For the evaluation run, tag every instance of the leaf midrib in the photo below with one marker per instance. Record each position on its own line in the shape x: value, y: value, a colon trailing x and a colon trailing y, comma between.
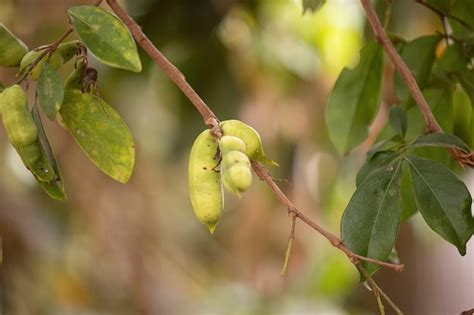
x: 103, y: 39
x: 439, y: 202
x: 381, y: 205
x: 366, y: 76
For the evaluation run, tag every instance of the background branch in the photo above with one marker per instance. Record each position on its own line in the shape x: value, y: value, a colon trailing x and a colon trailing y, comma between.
x: 432, y: 124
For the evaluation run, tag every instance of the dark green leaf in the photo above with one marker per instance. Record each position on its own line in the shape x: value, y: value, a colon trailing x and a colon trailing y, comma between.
x: 443, y: 200
x: 106, y: 37
x: 50, y: 91
x: 440, y: 139
x: 419, y: 55
x: 377, y: 161
x: 54, y: 189
x: 312, y: 5
x: 100, y: 132
x: 408, y: 194
x: 398, y: 119
x: 371, y: 220
x: 354, y: 99
x: 12, y: 49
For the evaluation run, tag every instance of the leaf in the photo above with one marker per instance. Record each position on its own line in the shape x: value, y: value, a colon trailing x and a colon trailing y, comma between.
x: 354, y: 99
x: 462, y: 112
x: 453, y: 59
x: 54, y: 189
x: 398, y: 119
x: 466, y: 78
x: 50, y: 91
x: 419, y: 56
x: 371, y: 220
x: 440, y: 139
x: 12, y: 49
x: 106, y: 37
x: 443, y: 200
x: 2, y: 87
x: 312, y: 5
x: 379, y: 160
x: 408, y: 194
x: 100, y: 132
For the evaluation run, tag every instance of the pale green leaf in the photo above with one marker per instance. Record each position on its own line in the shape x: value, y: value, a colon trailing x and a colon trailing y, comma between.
x: 100, y: 132
x: 50, y: 91
x: 12, y: 49
x: 106, y: 37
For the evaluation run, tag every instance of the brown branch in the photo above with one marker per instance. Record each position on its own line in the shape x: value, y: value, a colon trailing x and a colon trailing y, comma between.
x: 171, y: 71
x: 382, y: 38
x: 432, y: 124
x: 47, y: 50
x: 211, y: 120
x: 262, y: 172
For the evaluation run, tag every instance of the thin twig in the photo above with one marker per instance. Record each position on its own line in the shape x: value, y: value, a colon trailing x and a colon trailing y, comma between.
x: 381, y: 36
x: 375, y: 286
x: 263, y: 174
x: 47, y: 50
x: 171, y: 71
x: 432, y: 124
x: 444, y: 14
x: 290, y: 244
x: 211, y: 120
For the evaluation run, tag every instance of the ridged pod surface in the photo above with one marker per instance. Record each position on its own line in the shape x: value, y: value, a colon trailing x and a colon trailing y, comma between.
x: 204, y: 181
x: 22, y: 132
x: 63, y: 54
x: 251, y: 138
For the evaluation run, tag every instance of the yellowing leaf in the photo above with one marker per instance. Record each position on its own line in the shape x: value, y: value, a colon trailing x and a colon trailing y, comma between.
x: 100, y: 132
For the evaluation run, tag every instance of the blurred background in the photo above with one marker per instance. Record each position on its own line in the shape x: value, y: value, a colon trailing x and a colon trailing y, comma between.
x: 138, y: 248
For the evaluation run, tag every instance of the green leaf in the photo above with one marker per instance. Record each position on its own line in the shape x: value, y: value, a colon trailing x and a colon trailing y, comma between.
x: 312, y: 5
x: 440, y: 139
x: 408, y: 194
x: 443, y: 200
x: 379, y: 160
x: 354, y: 99
x: 398, y: 119
x: 100, y: 132
x: 466, y: 78
x: 54, y: 189
x: 12, y: 49
x: 371, y: 220
x: 106, y: 37
x: 419, y: 55
x: 50, y: 91
x: 453, y: 59
x: 462, y: 112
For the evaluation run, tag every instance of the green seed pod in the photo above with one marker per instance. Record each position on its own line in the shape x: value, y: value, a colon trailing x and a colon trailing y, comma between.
x: 63, y: 54
x: 12, y: 49
x: 236, y: 172
x: 204, y: 182
x: 22, y: 132
x: 231, y: 143
x: 251, y: 138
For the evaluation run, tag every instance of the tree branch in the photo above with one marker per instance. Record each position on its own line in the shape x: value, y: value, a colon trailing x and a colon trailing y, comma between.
x: 212, y: 121
x: 171, y: 71
x: 432, y: 124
